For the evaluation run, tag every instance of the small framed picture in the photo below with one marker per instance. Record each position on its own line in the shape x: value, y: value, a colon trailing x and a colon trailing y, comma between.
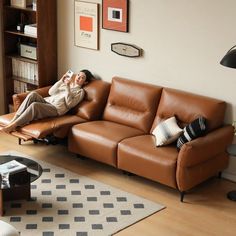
x: 21, y: 3
x: 115, y: 15
x: 86, y: 24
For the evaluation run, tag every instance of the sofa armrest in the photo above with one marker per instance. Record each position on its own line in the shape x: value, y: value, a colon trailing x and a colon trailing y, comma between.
x: 19, y: 98
x: 204, y: 148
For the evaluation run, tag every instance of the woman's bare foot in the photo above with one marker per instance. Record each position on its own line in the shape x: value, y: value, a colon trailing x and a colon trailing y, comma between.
x: 9, y: 128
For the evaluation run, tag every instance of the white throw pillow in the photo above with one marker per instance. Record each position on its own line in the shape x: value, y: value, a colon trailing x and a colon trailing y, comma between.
x: 167, y: 132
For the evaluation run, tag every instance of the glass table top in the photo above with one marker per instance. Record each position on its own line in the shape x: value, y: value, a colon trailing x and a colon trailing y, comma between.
x: 34, y: 171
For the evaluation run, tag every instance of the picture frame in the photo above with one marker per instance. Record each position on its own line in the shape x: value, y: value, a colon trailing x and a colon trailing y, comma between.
x: 86, y: 24
x: 115, y: 15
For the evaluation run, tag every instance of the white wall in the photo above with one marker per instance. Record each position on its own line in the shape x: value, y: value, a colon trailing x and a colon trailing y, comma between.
x: 183, y: 42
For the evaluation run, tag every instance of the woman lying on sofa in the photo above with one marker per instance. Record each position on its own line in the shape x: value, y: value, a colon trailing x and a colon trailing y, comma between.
x: 64, y: 95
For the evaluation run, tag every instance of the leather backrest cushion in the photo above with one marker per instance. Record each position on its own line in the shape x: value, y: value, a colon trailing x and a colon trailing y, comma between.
x: 132, y: 103
x: 186, y: 107
x: 92, y: 107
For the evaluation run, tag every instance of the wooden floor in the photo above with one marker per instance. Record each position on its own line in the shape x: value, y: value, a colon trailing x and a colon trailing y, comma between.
x: 205, y: 212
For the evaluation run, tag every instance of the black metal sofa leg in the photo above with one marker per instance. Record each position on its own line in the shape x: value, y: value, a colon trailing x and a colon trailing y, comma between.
x: 182, y: 196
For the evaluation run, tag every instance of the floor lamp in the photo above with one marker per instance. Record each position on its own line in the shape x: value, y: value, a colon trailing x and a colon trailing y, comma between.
x: 229, y: 60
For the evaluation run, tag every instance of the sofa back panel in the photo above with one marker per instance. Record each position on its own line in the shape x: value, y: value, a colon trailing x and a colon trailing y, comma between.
x: 132, y: 103
x: 92, y: 107
x: 187, y: 106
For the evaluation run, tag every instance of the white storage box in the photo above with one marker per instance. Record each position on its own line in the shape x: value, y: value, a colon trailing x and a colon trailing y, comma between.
x: 28, y: 51
x: 31, y: 29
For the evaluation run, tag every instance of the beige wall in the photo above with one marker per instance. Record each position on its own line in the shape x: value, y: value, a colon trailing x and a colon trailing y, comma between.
x: 183, y: 42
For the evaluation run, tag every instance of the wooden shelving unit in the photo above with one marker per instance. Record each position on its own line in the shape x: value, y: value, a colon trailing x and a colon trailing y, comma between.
x: 18, y: 70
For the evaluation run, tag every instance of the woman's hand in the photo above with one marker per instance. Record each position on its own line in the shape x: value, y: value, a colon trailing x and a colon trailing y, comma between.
x: 65, y: 79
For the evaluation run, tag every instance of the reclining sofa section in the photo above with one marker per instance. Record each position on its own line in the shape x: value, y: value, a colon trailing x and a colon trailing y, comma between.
x: 91, y: 108
x: 123, y: 139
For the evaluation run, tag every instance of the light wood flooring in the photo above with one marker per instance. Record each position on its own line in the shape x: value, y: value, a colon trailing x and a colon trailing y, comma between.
x: 205, y: 212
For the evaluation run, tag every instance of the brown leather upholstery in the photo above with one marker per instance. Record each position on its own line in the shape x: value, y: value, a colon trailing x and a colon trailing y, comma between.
x: 91, y: 108
x: 123, y: 137
x: 98, y: 139
x: 129, y: 112
x: 188, y: 106
x: 5, y: 119
x: 203, y: 157
x: 59, y: 126
x: 139, y: 155
x: 132, y: 103
x: 197, y: 160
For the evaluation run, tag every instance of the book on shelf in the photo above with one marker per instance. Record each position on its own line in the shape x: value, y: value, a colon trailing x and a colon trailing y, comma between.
x: 25, y: 70
x: 22, y: 87
x: 12, y: 167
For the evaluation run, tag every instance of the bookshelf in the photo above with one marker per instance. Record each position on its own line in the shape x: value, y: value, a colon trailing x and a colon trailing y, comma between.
x: 20, y: 72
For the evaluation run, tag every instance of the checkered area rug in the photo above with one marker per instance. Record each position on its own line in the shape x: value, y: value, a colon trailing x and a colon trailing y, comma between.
x: 65, y: 203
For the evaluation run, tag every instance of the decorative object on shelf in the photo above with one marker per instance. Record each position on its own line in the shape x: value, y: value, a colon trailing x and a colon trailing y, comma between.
x: 125, y: 49
x: 34, y: 5
x: 115, y: 15
x: 86, y: 24
x: 21, y: 3
x: 20, y: 26
x: 229, y: 60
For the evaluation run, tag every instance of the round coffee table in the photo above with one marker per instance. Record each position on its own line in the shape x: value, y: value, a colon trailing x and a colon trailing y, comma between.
x: 19, y: 183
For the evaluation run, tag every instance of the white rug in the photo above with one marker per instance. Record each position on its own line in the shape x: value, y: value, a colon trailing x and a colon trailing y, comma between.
x: 65, y: 203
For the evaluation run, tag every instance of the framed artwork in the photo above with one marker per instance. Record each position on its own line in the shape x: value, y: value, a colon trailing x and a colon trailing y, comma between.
x: 115, y: 15
x: 86, y: 24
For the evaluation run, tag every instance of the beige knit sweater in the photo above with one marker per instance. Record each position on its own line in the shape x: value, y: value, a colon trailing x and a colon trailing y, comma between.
x: 64, y: 96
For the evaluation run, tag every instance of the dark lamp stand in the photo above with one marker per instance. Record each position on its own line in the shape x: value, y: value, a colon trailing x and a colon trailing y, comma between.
x: 232, y: 151
x: 229, y: 60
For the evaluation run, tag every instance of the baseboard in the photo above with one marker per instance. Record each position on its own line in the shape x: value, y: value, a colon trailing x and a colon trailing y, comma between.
x: 229, y: 176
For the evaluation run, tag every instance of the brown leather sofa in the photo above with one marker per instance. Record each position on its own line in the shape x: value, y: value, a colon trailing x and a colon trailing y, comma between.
x: 123, y: 139
x: 113, y: 125
x: 91, y: 108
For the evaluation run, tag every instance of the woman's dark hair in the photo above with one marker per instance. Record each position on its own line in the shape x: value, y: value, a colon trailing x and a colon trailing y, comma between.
x: 89, y: 75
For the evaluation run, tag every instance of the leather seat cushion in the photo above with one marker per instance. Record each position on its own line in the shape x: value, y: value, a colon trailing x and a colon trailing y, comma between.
x: 5, y: 119
x: 140, y: 155
x: 41, y: 128
x: 99, y: 139
x: 44, y: 127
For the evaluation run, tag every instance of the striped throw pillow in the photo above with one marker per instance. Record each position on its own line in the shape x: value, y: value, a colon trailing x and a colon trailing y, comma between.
x: 196, y: 129
x: 167, y: 132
